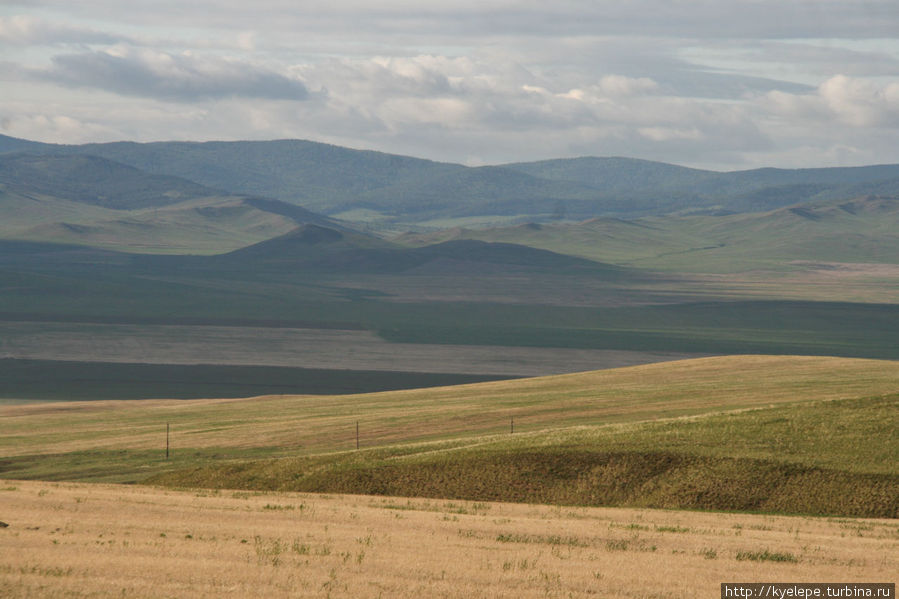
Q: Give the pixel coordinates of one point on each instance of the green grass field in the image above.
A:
(820, 458)
(767, 433)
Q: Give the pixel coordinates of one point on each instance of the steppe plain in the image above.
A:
(364, 421)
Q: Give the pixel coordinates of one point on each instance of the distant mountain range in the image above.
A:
(240, 202)
(389, 190)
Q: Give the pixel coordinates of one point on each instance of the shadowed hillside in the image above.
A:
(385, 188)
(93, 201)
(313, 247)
(95, 181)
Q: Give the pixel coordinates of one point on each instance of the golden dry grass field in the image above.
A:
(77, 539)
(92, 540)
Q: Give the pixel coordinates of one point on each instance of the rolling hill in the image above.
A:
(95, 181)
(769, 433)
(322, 249)
(860, 230)
(97, 202)
(391, 190)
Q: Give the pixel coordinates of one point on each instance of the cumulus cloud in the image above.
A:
(31, 124)
(861, 102)
(855, 102)
(486, 109)
(177, 77)
(697, 81)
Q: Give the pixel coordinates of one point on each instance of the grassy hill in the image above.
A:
(208, 225)
(316, 248)
(720, 433)
(814, 459)
(860, 230)
(92, 201)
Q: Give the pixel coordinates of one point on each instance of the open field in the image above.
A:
(327, 423)
(81, 540)
(834, 458)
(678, 315)
(804, 280)
(796, 281)
(821, 422)
(742, 433)
(457, 323)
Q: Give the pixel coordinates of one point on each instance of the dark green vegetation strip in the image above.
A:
(317, 301)
(831, 458)
(745, 327)
(39, 282)
(64, 380)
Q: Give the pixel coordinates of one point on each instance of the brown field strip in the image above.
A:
(332, 349)
(84, 540)
(310, 424)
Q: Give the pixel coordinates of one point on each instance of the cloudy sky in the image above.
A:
(722, 84)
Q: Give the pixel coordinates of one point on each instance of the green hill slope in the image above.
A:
(749, 432)
(207, 225)
(823, 458)
(93, 201)
(861, 230)
(775, 433)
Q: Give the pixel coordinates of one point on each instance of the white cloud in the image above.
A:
(860, 102)
(703, 82)
(59, 128)
(854, 102)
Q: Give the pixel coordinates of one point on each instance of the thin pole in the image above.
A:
(166, 440)
(512, 425)
(357, 434)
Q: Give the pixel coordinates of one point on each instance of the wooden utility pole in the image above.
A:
(166, 440)
(512, 425)
(357, 434)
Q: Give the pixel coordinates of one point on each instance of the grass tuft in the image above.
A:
(767, 556)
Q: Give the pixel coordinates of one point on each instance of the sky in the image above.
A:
(719, 84)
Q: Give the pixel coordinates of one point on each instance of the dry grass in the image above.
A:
(317, 424)
(80, 540)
